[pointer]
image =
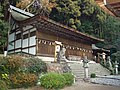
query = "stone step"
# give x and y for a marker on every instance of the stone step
(81, 73)
(80, 76)
(78, 70)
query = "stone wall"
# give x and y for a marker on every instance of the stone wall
(58, 67)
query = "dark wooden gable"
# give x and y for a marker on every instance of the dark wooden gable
(46, 25)
(114, 7)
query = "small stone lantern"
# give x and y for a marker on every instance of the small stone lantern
(85, 65)
(116, 67)
(104, 56)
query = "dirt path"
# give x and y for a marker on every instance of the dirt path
(80, 86)
(88, 86)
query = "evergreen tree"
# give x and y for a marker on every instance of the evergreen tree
(3, 31)
(67, 12)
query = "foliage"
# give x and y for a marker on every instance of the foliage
(87, 7)
(35, 65)
(12, 70)
(99, 15)
(3, 31)
(87, 27)
(111, 29)
(93, 75)
(66, 12)
(22, 4)
(3, 70)
(88, 18)
(52, 81)
(9, 65)
(5, 78)
(69, 78)
(3, 85)
(12, 63)
(19, 80)
(42, 7)
(116, 57)
(117, 42)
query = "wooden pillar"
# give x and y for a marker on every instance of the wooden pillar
(105, 2)
(98, 59)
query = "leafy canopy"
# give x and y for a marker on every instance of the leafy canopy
(3, 30)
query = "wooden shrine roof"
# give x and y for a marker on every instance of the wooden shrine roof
(112, 1)
(112, 6)
(115, 8)
(57, 28)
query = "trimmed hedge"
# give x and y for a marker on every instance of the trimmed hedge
(69, 78)
(53, 81)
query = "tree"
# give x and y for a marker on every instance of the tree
(87, 7)
(83, 15)
(3, 31)
(67, 12)
(42, 7)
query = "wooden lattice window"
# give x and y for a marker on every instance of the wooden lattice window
(25, 36)
(18, 36)
(33, 33)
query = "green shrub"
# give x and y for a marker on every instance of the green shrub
(69, 78)
(93, 75)
(3, 70)
(3, 85)
(5, 78)
(35, 65)
(19, 80)
(53, 81)
(10, 64)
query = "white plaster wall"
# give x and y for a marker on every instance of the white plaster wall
(18, 50)
(18, 32)
(50, 59)
(32, 50)
(74, 58)
(11, 37)
(26, 32)
(34, 29)
(11, 46)
(27, 27)
(18, 43)
(10, 52)
(32, 41)
(25, 50)
(25, 43)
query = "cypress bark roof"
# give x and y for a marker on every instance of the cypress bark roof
(44, 22)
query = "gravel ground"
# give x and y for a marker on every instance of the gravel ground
(111, 76)
(89, 86)
(80, 86)
(110, 83)
(107, 80)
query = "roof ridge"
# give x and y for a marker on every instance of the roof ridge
(75, 30)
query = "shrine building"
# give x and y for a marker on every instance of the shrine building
(42, 37)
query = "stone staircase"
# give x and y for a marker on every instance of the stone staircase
(78, 70)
